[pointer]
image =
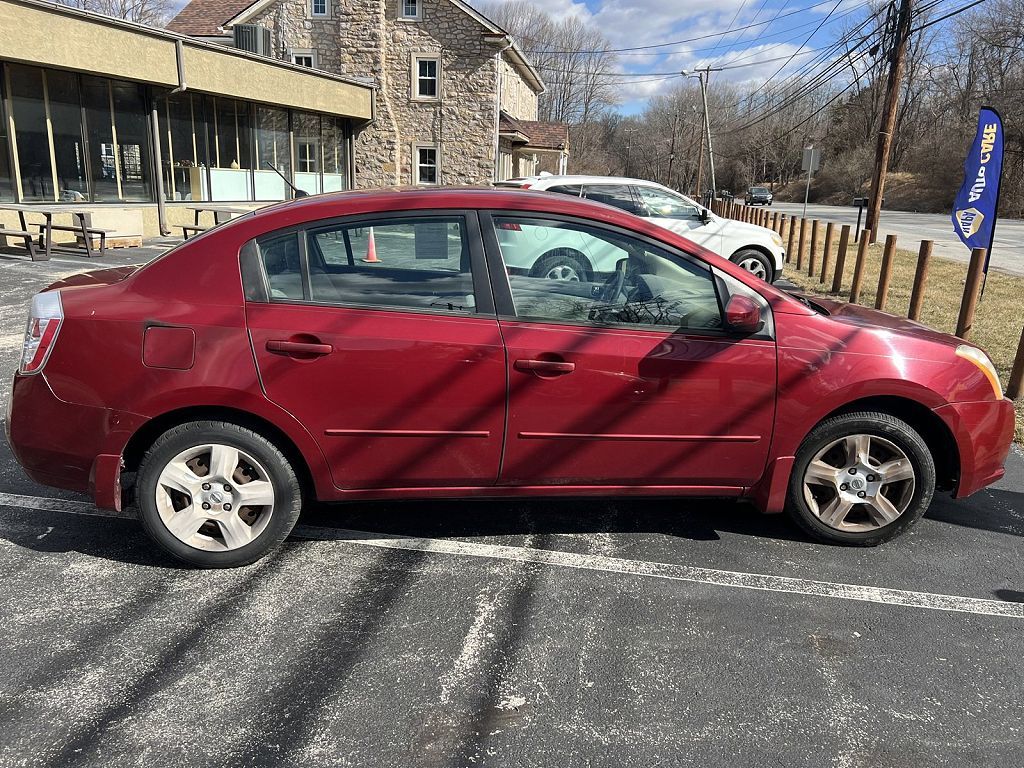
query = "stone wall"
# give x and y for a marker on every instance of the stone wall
(518, 99)
(367, 38)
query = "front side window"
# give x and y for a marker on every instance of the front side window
(660, 203)
(410, 9)
(575, 190)
(615, 195)
(318, 7)
(426, 78)
(426, 165)
(610, 279)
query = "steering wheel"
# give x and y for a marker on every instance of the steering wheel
(612, 288)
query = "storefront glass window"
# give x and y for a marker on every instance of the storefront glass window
(335, 155)
(273, 148)
(6, 174)
(307, 152)
(68, 142)
(133, 149)
(29, 107)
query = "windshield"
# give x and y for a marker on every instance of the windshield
(759, 190)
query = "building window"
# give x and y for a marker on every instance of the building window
(425, 78)
(426, 165)
(304, 59)
(410, 9)
(319, 8)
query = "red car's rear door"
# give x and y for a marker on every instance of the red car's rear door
(389, 354)
(643, 387)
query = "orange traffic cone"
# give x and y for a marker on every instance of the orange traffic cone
(371, 250)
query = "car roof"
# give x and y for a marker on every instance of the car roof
(586, 180)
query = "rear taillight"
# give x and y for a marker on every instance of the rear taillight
(509, 226)
(44, 322)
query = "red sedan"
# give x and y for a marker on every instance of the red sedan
(375, 345)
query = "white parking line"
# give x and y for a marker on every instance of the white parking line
(669, 571)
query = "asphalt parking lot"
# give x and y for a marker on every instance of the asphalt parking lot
(487, 633)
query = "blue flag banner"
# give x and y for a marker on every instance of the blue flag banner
(974, 212)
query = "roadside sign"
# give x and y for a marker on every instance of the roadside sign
(812, 159)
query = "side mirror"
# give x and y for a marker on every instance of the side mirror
(742, 315)
(703, 215)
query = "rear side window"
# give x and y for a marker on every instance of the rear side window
(415, 263)
(616, 195)
(282, 264)
(575, 190)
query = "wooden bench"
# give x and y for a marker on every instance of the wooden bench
(28, 237)
(191, 228)
(89, 233)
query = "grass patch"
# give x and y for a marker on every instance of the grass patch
(1000, 314)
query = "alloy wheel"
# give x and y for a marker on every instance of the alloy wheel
(754, 266)
(859, 483)
(563, 272)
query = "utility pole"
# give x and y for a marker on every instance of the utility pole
(897, 59)
(629, 146)
(704, 75)
(672, 148)
(700, 161)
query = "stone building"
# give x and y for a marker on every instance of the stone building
(456, 99)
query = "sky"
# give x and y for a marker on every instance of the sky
(699, 33)
(780, 29)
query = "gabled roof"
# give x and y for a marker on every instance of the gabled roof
(233, 12)
(546, 135)
(206, 18)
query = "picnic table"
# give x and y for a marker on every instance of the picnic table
(226, 211)
(82, 226)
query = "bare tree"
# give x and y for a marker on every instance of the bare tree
(151, 12)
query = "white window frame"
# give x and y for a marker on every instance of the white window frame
(312, 10)
(416, 59)
(403, 15)
(295, 53)
(416, 165)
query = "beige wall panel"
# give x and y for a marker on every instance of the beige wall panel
(47, 38)
(244, 78)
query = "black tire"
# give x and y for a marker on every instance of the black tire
(562, 257)
(752, 253)
(287, 491)
(871, 423)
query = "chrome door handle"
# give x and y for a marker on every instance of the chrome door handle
(545, 366)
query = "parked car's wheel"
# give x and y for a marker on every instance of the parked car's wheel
(562, 264)
(861, 479)
(217, 495)
(755, 262)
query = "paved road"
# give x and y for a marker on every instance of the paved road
(549, 633)
(911, 228)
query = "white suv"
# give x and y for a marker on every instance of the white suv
(756, 249)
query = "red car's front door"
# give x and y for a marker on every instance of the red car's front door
(396, 364)
(633, 379)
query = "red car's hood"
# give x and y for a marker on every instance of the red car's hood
(95, 277)
(864, 317)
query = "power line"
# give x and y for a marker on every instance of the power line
(676, 42)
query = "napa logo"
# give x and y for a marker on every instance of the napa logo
(969, 221)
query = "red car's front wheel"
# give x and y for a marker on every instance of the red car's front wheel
(861, 479)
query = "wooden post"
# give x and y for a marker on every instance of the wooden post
(826, 252)
(844, 243)
(885, 275)
(792, 232)
(920, 278)
(775, 223)
(800, 249)
(1014, 387)
(858, 269)
(971, 288)
(812, 259)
